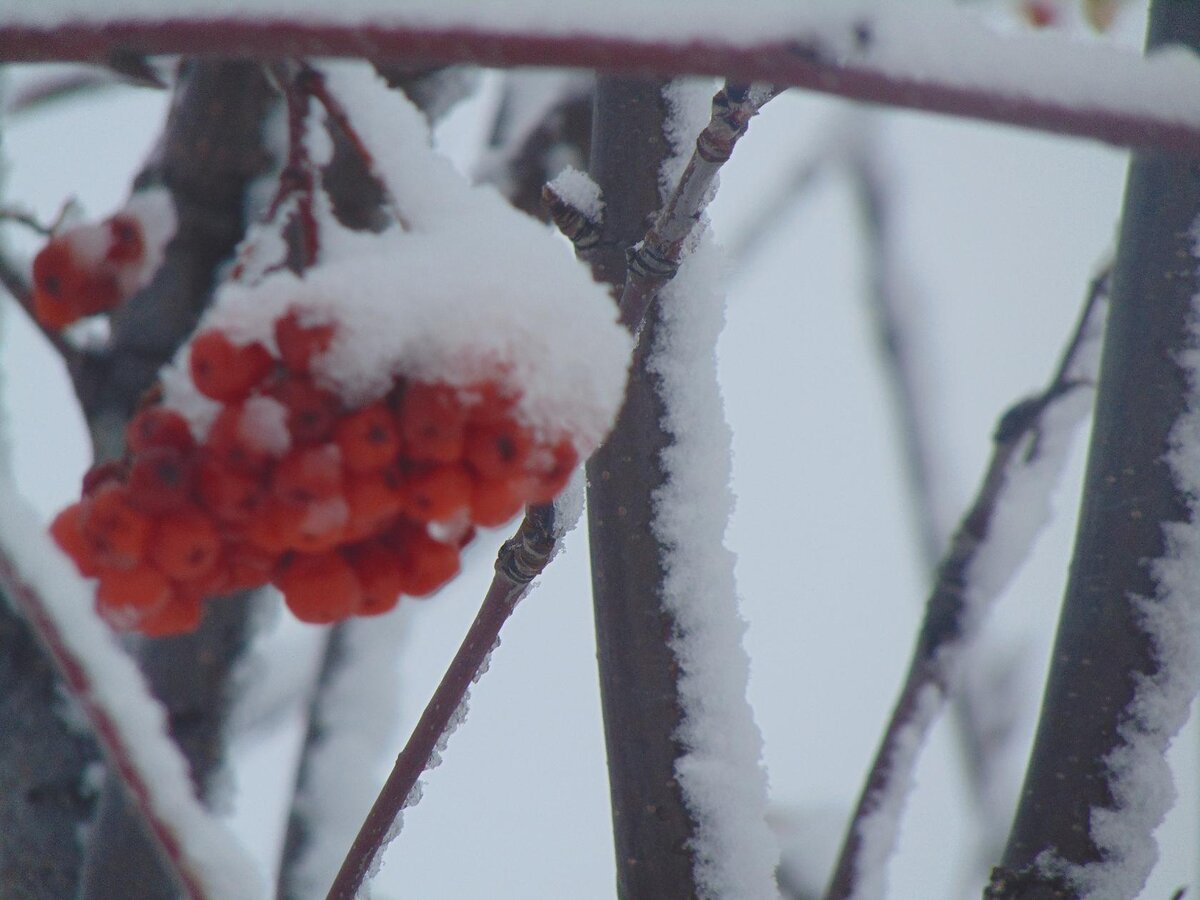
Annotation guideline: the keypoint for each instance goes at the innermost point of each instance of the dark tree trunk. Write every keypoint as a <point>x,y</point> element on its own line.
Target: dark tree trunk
<point>638,672</point>
<point>1102,648</point>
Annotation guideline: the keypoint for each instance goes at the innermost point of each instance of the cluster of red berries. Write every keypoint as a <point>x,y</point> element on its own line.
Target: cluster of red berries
<point>344,510</point>
<point>88,269</point>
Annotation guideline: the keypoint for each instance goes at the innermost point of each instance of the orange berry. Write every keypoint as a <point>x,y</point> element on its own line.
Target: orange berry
<point>235,443</point>
<point>109,472</point>
<point>67,533</point>
<point>179,615</point>
<point>425,564</point>
<point>123,598</point>
<point>319,588</point>
<point>372,498</point>
<point>160,479</point>
<point>379,575</point>
<point>432,419</point>
<point>230,495</point>
<point>311,411</point>
<point>157,426</point>
<point>496,500</point>
<point>226,371</point>
<point>434,493</point>
<point>307,475</point>
<point>299,343</point>
<point>184,545</point>
<point>125,240</point>
<point>549,481</point>
<point>113,529</point>
<point>497,450</point>
<point>368,438</point>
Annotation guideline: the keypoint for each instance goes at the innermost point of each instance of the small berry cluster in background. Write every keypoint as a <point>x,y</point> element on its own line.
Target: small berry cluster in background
<point>343,509</point>
<point>93,268</point>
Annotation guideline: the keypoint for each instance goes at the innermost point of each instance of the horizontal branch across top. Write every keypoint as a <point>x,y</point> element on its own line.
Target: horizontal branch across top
<point>934,59</point>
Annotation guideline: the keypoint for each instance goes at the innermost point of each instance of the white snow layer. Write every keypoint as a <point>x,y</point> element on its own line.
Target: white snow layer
<point>117,687</point>
<point>720,773</point>
<point>467,289</point>
<point>926,42</point>
<point>1140,779</point>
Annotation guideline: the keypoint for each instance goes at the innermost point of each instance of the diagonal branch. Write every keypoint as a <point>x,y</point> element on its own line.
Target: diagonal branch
<point>1029,444</point>
<point>878,55</point>
<point>521,559</point>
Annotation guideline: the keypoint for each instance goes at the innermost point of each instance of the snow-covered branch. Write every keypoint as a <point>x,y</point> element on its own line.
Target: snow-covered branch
<point>992,541</point>
<point>126,720</point>
<point>935,58</point>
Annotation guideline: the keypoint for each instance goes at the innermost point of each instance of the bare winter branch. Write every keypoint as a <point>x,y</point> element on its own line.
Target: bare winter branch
<point>521,559</point>
<point>655,260</point>
<point>954,611</point>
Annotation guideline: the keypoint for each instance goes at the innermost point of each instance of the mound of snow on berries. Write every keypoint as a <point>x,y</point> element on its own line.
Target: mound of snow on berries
<point>463,288</point>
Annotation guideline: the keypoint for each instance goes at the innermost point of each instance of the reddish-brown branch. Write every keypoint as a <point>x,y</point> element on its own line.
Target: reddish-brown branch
<point>104,727</point>
<point>788,63</point>
<point>521,559</point>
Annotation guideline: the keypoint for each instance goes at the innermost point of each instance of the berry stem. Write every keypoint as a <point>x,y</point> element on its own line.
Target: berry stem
<point>520,560</point>
<point>105,727</point>
<point>298,180</point>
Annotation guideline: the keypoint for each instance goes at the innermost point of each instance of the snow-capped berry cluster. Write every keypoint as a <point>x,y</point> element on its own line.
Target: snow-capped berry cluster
<point>92,268</point>
<point>343,509</point>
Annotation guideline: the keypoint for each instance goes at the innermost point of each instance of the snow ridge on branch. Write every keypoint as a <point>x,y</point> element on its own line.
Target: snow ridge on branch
<point>936,58</point>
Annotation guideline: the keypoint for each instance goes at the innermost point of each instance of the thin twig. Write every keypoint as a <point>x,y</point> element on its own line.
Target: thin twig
<point>520,560</point>
<point>656,259</point>
<point>953,611</point>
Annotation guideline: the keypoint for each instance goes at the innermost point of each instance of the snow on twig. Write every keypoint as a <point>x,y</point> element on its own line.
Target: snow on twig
<point>938,58</point>
<point>520,560</point>
<point>127,721</point>
<point>995,535</point>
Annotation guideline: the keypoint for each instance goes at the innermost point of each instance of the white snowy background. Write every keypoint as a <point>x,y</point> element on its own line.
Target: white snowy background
<point>999,230</point>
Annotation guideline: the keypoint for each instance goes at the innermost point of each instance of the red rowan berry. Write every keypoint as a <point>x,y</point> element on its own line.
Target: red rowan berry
<point>311,411</point>
<point>226,371</point>
<point>498,449</point>
<point>184,545</point>
<point>113,529</point>
<point>123,598</point>
<point>275,528</point>
<point>372,499</point>
<point>496,500</point>
<point>160,479</point>
<point>230,495</point>
<point>379,575</point>
<point>368,438</point>
<point>157,426</point>
<point>235,443</point>
<point>322,525</point>
<point>67,533</point>
<point>109,472</point>
<point>67,288</point>
<point>179,615</point>
<point>125,240</point>
<point>425,564</point>
<point>550,481</point>
<point>433,493</point>
<point>319,588</point>
<point>432,418</point>
<point>299,342</point>
<point>248,567</point>
<point>308,474</point>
